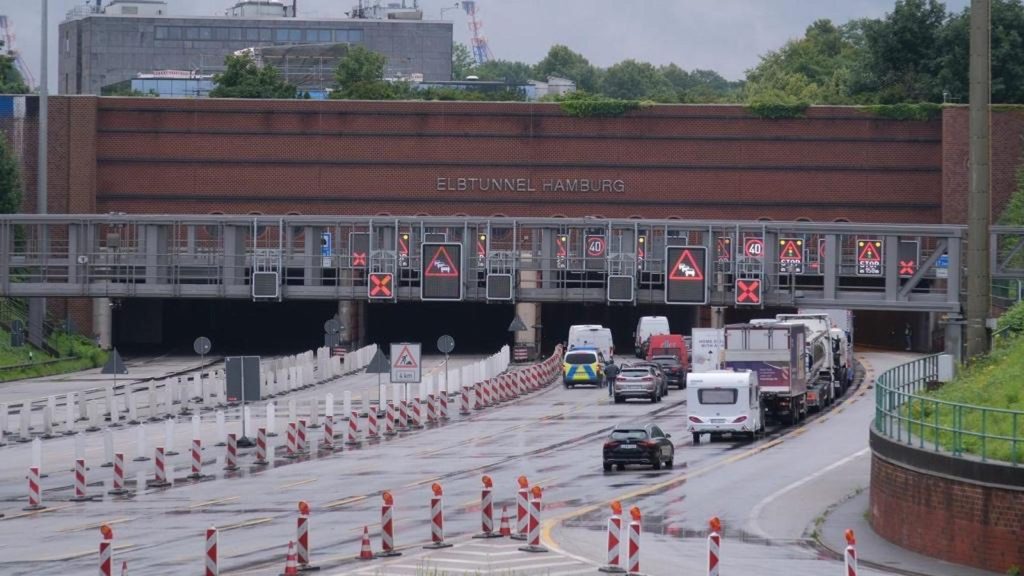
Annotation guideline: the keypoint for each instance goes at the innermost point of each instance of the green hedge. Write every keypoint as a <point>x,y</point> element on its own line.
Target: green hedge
<point>920,112</point>
<point>583,105</point>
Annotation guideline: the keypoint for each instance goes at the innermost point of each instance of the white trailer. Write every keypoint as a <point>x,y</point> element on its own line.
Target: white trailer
<point>724,402</point>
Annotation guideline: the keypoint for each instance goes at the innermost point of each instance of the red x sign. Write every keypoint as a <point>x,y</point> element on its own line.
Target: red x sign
<point>748,292</point>
<point>359,258</point>
<point>908,267</point>
<point>380,285</point>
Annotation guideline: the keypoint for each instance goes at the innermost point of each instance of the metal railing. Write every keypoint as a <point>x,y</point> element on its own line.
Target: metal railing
<point>904,415</point>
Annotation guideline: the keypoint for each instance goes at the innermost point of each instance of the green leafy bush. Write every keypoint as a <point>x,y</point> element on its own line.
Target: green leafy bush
<point>583,105</point>
<point>777,109</point>
<point>921,112</point>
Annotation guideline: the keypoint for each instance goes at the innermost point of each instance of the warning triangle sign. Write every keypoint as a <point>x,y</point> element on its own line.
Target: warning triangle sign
<point>441,265</point>
<point>686,268</point>
<point>869,252</point>
<point>791,251</point>
<point>405,359</point>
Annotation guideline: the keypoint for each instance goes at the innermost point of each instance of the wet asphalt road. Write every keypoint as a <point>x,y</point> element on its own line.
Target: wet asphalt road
<point>553,437</point>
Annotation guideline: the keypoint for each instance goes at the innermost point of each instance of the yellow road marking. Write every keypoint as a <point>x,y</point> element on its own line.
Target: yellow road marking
<point>94,525</point>
<point>35,512</point>
<point>246,524</point>
<point>83,554</point>
<point>343,501</point>
<point>299,483</point>
<point>212,502</point>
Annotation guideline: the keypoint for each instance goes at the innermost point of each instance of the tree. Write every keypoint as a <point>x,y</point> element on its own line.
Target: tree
<point>243,78</point>
<point>11,81</point>
<point>1007,47</point>
<point>462,61</point>
<point>700,86</point>
<point>632,80</point>
<point>360,76</point>
<point>10,179</point>
<point>504,70</point>
<point>904,52</point>
<point>564,63</point>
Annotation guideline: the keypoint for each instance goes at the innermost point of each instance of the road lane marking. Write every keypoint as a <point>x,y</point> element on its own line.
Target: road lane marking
<point>298,483</point>
<point>76,555</point>
<point>212,502</point>
<point>752,520</point>
<point>35,512</point>
<point>343,501</point>
<point>94,525</point>
<point>246,524</point>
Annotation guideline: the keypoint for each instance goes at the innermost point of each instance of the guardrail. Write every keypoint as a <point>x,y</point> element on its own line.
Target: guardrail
<point>905,416</point>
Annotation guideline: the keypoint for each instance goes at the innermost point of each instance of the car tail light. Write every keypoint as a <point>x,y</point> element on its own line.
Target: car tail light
<point>647,379</point>
<point>647,443</point>
<point>812,397</point>
<point>611,445</point>
<point>696,420</point>
<point>740,419</point>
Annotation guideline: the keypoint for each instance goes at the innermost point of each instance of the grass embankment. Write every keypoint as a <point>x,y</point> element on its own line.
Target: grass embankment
<point>995,382</point>
<point>76,353</point>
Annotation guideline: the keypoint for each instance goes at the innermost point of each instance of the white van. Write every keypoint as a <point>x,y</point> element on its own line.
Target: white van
<point>723,401</point>
<point>646,327</point>
<point>592,336</point>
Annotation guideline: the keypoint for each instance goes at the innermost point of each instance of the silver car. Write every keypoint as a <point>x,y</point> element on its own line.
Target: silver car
<point>638,382</point>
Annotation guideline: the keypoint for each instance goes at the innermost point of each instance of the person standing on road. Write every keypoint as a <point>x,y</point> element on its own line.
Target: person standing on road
<point>610,372</point>
<point>908,336</point>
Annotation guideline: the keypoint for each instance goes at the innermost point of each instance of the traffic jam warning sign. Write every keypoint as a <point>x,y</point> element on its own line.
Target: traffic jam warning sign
<point>381,285</point>
<point>791,256</point>
<point>405,363</point>
<point>685,280</point>
<point>753,248</point>
<point>442,271</point>
<point>748,291</point>
<point>869,257</point>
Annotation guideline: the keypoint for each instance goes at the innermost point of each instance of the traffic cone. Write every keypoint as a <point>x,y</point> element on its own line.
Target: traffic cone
<point>504,530</point>
<point>365,553</point>
<point>291,565</point>
<point>124,568</point>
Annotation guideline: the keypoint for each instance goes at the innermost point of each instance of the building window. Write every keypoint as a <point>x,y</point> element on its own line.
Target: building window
<point>311,36</point>
<point>281,35</point>
<point>130,10</point>
<point>206,33</point>
<point>323,35</point>
<point>803,219</point>
<point>840,220</point>
<point>173,33</point>
<point>222,33</point>
<point>295,35</point>
<point>236,33</point>
<point>252,33</point>
<point>265,34</point>
<point>191,33</point>
<point>355,35</point>
<point>161,32</point>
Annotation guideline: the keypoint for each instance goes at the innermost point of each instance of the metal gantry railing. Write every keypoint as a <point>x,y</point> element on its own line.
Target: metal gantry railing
<point>904,414</point>
<point>863,266</point>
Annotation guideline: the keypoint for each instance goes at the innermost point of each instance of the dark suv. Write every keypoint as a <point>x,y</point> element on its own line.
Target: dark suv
<point>646,445</point>
<point>674,371</point>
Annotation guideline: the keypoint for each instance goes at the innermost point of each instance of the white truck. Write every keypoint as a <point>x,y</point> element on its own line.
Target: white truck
<point>592,336</point>
<point>837,324</point>
<point>707,345</point>
<point>825,386</point>
<point>724,402</point>
<point>776,353</point>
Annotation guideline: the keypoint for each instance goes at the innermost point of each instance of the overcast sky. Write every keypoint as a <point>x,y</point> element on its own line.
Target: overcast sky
<point>723,35</point>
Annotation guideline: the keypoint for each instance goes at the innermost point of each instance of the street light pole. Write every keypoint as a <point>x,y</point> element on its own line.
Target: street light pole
<point>979,283</point>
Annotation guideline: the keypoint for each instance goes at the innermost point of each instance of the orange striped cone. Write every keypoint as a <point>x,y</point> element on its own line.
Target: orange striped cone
<point>124,568</point>
<point>365,553</point>
<point>291,565</point>
<point>504,529</point>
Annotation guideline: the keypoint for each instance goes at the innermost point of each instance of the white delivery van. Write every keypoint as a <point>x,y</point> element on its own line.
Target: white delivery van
<point>592,336</point>
<point>723,402</point>
<point>646,327</point>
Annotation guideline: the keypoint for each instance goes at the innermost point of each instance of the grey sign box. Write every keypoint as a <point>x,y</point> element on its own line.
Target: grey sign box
<point>620,288</point>
<point>441,271</point>
<point>239,369</point>
<point>202,345</point>
<point>499,286</point>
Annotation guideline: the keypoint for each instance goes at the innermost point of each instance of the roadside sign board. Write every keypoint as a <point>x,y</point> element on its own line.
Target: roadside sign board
<point>685,277</point>
<point>909,256</point>
<point>942,266</point>
<point>753,247</point>
<point>381,286</point>
<point>748,292</point>
<point>442,271</point>
<point>243,378</point>
<point>869,257</point>
<point>791,256</point>
<point>406,365</point>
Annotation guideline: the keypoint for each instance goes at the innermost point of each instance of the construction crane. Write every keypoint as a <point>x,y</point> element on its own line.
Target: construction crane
<point>481,51</point>
<point>7,35</point>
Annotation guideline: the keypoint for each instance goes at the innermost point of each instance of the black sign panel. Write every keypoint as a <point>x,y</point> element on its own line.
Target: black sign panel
<point>596,249</point>
<point>359,249</point>
<point>435,237</point>
<point>909,255</point>
<point>243,378</point>
<point>748,292</point>
<point>620,288</point>
<point>499,286</point>
<point>869,257</point>
<point>441,271</point>
<point>791,256</point>
<point>686,275</point>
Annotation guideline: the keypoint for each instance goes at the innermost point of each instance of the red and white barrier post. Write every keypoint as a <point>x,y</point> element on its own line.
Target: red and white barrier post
<point>291,450</point>
<point>464,401</point>
<point>118,487</point>
<point>487,510</point>
<point>522,509</point>
<point>437,518</point>
<point>328,441</point>
<point>403,415</point>
<point>443,397</point>
<point>212,566</point>
<point>389,419</point>
<point>80,495</point>
<point>231,456</point>
<point>533,540</point>
<point>302,537</point>
<point>614,565</point>
<point>387,527</point>
<point>160,469</point>
<point>261,447</point>
<point>302,447</point>
<point>197,460</point>
<point>106,550</point>
<point>633,561</point>
<point>371,425</point>
<point>714,545</point>
<point>353,429</point>
<point>850,555</point>
<point>431,408</point>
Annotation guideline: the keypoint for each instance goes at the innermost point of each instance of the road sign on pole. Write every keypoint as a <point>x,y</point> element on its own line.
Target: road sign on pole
<point>791,256</point>
<point>445,344</point>
<point>753,247</point>
<point>326,248</point>
<point>748,292</point>
<point>685,278</point>
<point>406,365</point>
<point>442,271</point>
<point>381,286</point>
<point>869,257</point>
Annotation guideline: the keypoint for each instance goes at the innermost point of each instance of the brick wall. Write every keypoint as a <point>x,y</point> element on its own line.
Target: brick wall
<point>953,520</point>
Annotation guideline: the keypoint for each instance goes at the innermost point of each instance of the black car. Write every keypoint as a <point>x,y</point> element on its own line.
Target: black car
<point>674,371</point>
<point>646,445</point>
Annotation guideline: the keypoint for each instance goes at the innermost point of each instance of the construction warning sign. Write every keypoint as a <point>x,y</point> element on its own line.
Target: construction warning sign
<point>869,257</point>
<point>791,256</point>
<point>442,271</point>
<point>381,285</point>
<point>748,292</point>
<point>685,278</point>
<point>405,363</point>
